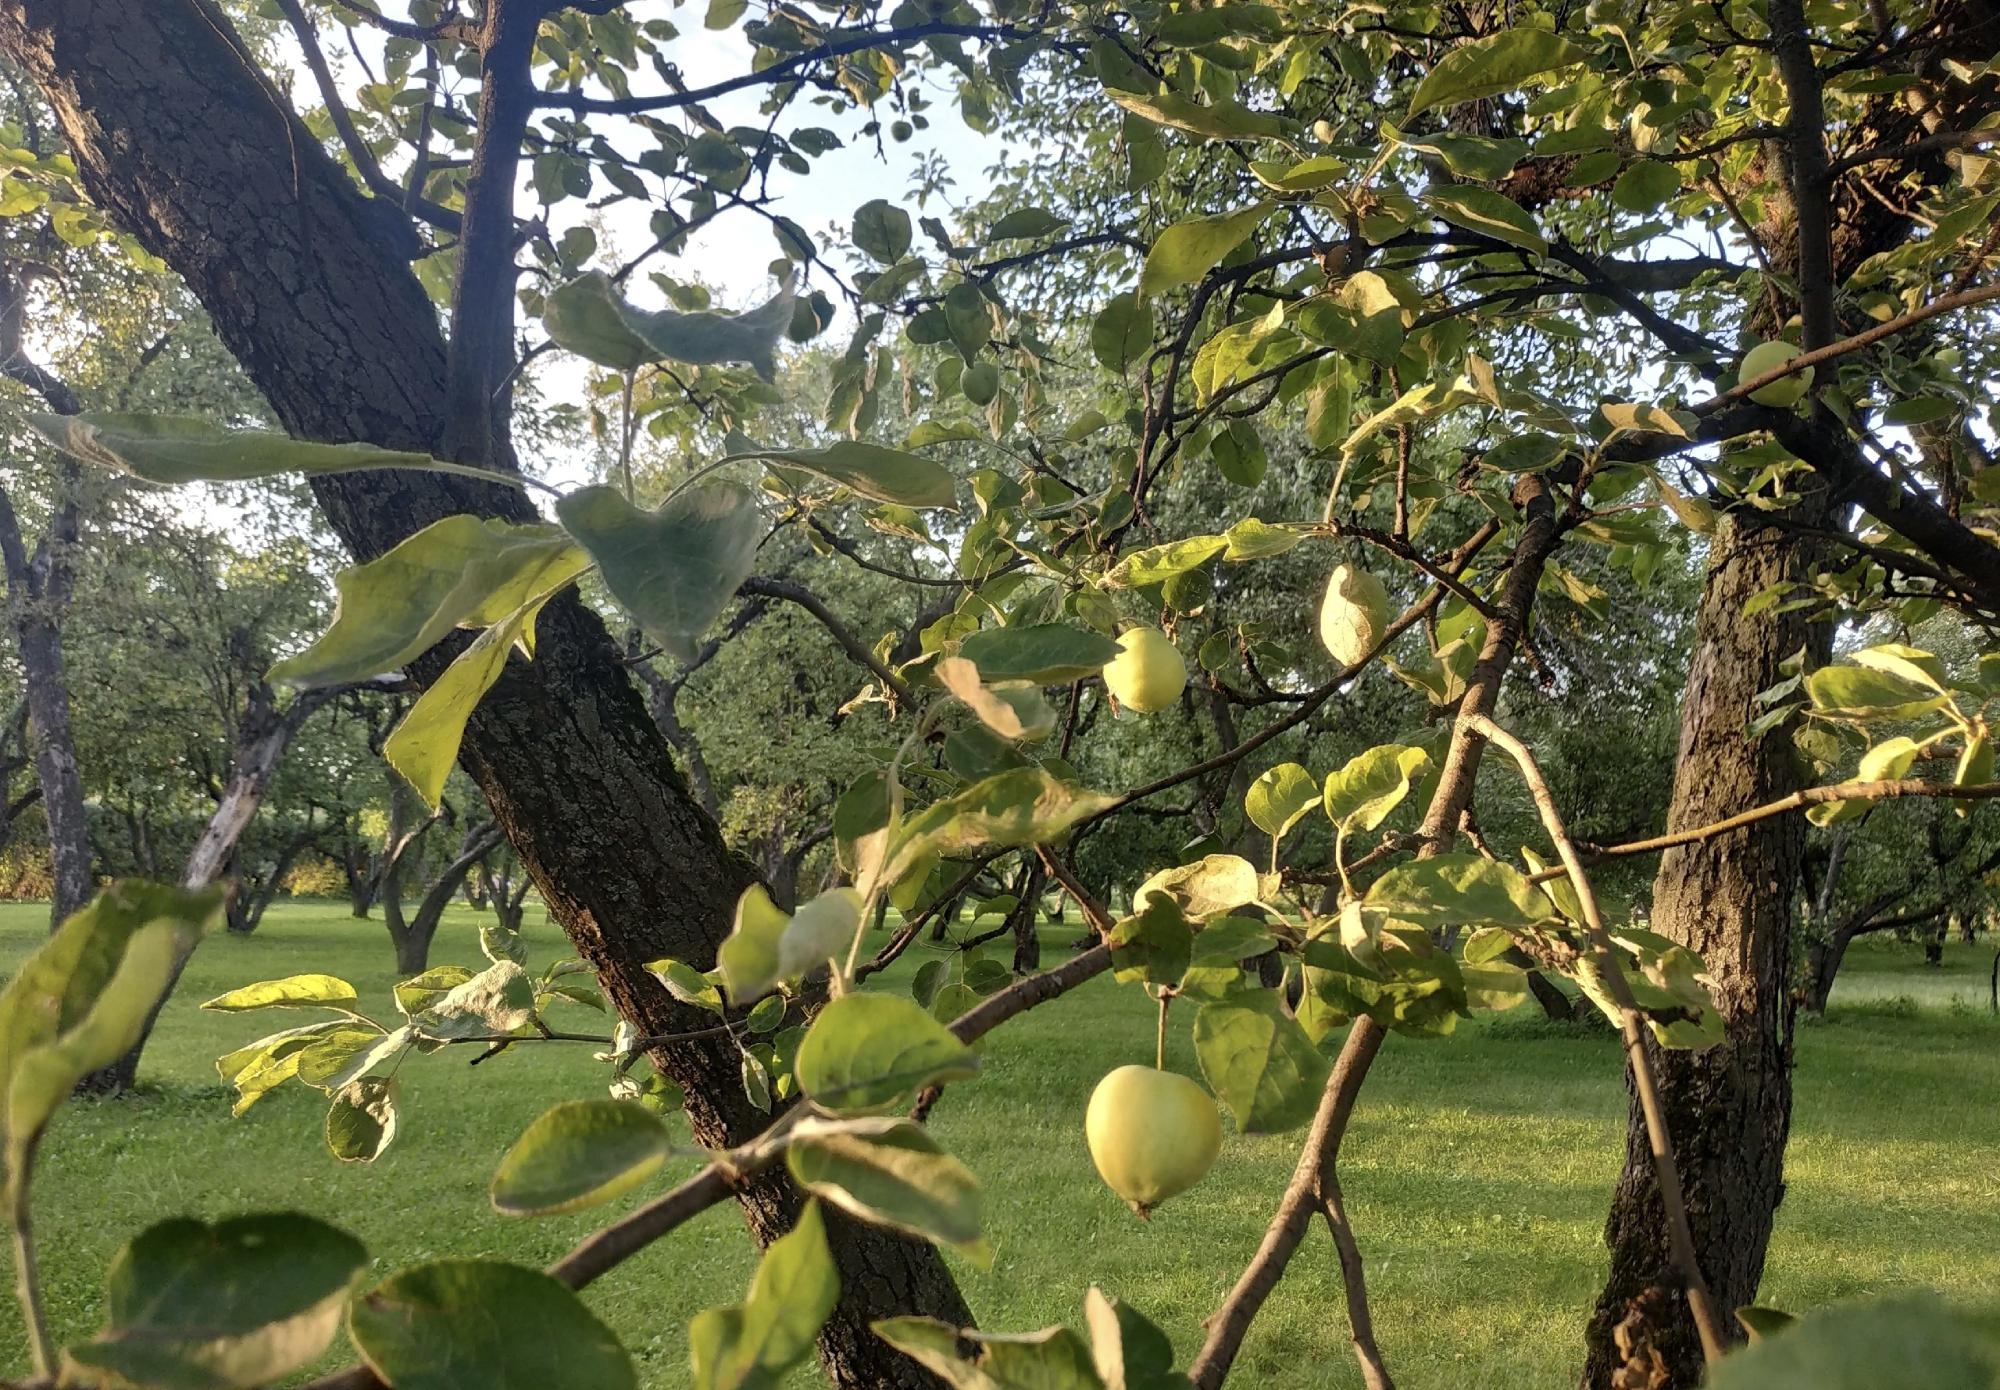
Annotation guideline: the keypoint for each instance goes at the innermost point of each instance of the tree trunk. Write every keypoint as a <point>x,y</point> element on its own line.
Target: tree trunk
<point>307,283</point>
<point>1823,960</point>
<point>1731,900</point>
<point>413,937</point>
<point>363,873</point>
<point>264,736</point>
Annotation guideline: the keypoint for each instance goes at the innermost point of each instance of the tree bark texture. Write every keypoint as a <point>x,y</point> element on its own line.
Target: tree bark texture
<point>1731,900</point>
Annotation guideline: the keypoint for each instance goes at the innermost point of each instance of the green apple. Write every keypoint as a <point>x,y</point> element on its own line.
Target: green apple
<point>1768,357</point>
<point>1148,673</point>
<point>1153,1134</point>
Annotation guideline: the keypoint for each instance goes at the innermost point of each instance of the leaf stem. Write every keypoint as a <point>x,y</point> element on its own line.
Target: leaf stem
<point>28,1281</point>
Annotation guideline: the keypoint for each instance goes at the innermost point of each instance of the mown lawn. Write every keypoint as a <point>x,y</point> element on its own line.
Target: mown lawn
<point>1477,1169</point>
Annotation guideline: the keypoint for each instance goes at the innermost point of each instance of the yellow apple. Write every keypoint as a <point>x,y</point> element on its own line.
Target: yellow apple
<point>1148,674</point>
<point>1153,1134</point>
<point>1768,357</point>
<point>1354,614</point>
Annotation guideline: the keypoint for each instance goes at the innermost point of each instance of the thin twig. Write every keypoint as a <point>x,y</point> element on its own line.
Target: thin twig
<point>1666,1173</point>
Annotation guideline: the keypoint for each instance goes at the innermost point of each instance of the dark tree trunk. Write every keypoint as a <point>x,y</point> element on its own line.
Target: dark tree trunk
<point>1027,939</point>
<point>1731,900</point>
<point>1555,1005</point>
<point>39,586</point>
<point>307,282</point>
<point>47,679</point>
<point>363,873</point>
<point>413,936</point>
<point>263,736</point>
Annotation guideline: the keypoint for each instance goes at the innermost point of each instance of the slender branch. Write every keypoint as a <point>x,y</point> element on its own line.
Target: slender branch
<point>1888,328</point>
<point>1666,1173</point>
<point>1887,790</point>
<point>778,71</point>
<point>357,149</point>
<point>849,643</point>
<point>1943,141</point>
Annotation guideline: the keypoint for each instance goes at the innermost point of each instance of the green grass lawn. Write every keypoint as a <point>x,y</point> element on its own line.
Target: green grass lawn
<point>1477,1168</point>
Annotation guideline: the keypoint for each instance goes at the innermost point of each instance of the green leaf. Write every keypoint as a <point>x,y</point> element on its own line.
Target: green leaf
<point>1158,564</point>
<point>1259,1062</point>
<point>1221,119</point>
<point>1862,694</point>
<point>1477,157</point>
<point>1130,1352</point>
<point>292,992</point>
<point>767,945</point>
<point>687,984</point>
<point>1154,945</point>
<point>1251,539</point>
<point>167,450</point>
<point>1014,710</point>
<point>579,1154</point>
<point>1188,250</point>
<point>1488,213</point>
<point>1122,331</point>
<point>1045,653</point>
<point>419,992</point>
<point>1360,796</point>
<point>83,998</point>
<point>1026,223</point>
<point>1913,665</point>
<point>1014,809</point>
<point>673,569</point>
<point>483,1325</point>
<point>242,1303</point>
<point>1213,884</point>
<point>865,1051</point>
<point>1910,1339</point>
<point>882,230</point>
<point>1279,798</point>
<point>1645,186</point>
<point>1888,759</point>
<point>752,1345</point>
<point>258,1068</point>
<point>1459,889</point>
<point>1053,1359</point>
<point>872,471</point>
<point>1227,940</point>
<point>424,745</point>
<point>361,1122</point>
<point>499,999</point>
<point>968,320</point>
<point>890,1171</point>
<point>463,571</point>
<point>590,318</point>
<point>1503,62</point>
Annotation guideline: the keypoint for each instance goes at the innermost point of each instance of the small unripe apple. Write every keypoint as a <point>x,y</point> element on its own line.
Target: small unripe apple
<point>1153,1134</point>
<point>1148,673</point>
<point>1768,357</point>
<point>1354,614</point>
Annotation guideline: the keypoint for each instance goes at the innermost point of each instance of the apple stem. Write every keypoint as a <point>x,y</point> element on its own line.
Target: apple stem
<point>1160,1041</point>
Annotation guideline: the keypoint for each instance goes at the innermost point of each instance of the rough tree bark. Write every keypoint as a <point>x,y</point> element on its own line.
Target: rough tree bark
<point>188,146</point>
<point>39,585</point>
<point>1732,898</point>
